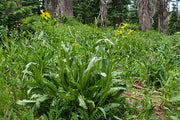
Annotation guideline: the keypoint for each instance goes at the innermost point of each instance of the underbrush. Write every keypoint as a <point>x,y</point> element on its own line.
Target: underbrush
<point>52,70</point>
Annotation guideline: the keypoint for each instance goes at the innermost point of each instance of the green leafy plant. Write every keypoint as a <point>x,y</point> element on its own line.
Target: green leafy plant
<point>80,82</point>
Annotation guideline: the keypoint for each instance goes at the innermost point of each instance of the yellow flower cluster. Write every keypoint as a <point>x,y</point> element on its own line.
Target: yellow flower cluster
<point>124,26</point>
<point>130,32</point>
<point>45,15</point>
<point>57,25</point>
<point>75,44</point>
<point>120,32</point>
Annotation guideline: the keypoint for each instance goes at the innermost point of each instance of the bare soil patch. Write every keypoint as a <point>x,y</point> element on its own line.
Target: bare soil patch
<point>136,97</point>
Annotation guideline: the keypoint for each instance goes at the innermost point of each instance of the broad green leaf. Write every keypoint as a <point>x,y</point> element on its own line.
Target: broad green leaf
<point>108,41</point>
<point>91,103</point>
<point>41,99</point>
<point>117,118</point>
<point>64,47</point>
<point>50,85</point>
<point>102,110</point>
<point>175,99</point>
<point>174,118</point>
<point>103,74</point>
<point>26,69</point>
<point>86,73</point>
<point>114,90</point>
<point>105,40</point>
<point>35,96</point>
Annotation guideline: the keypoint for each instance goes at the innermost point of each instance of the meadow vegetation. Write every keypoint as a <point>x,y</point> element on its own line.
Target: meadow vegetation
<point>69,71</point>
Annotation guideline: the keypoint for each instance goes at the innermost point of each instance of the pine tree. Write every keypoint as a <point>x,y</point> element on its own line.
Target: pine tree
<point>86,10</point>
<point>172,25</point>
<point>118,11</point>
<point>13,11</point>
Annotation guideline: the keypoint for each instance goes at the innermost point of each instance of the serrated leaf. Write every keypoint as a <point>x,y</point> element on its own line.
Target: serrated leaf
<point>82,102</point>
<point>41,98</point>
<point>24,102</point>
<point>34,96</point>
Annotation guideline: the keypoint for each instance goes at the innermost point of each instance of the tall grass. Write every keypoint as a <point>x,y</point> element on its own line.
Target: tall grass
<point>79,72</point>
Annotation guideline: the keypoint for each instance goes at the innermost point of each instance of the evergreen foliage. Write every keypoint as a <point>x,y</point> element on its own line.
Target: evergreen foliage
<point>118,11</point>
<point>35,3</point>
<point>173,22</point>
<point>133,16</point>
<point>85,11</point>
<point>13,11</point>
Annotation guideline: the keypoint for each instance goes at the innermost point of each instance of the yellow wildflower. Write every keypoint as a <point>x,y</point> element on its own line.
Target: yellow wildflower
<point>75,44</point>
<point>124,26</point>
<point>79,56</point>
<point>143,35</point>
<point>57,25</point>
<point>120,32</point>
<point>130,32</point>
<point>123,36</point>
<point>45,15</point>
<point>116,34</point>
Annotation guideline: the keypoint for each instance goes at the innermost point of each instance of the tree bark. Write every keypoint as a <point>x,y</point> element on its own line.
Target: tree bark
<point>162,16</point>
<point>103,11</point>
<point>53,7</point>
<point>165,23</point>
<point>146,10</point>
<point>159,6</point>
<point>67,7</point>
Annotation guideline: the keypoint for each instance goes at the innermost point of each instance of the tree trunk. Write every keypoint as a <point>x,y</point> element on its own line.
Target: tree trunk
<point>159,15</point>
<point>103,11</point>
<point>119,19</point>
<point>165,24</point>
<point>67,7</point>
<point>162,16</point>
<point>146,10</point>
<point>159,23</point>
<point>53,7</point>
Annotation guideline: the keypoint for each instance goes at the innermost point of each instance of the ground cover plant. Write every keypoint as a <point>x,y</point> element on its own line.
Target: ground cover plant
<point>54,70</point>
